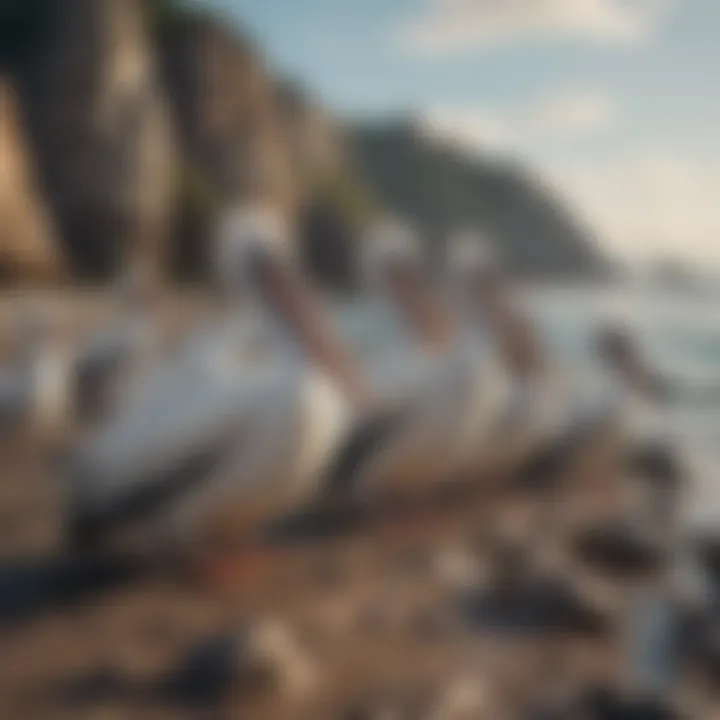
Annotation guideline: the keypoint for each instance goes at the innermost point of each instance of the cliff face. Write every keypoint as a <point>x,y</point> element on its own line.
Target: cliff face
<point>224,103</point>
<point>229,120</point>
<point>103,133</point>
<point>27,242</point>
<point>146,117</point>
<point>315,140</point>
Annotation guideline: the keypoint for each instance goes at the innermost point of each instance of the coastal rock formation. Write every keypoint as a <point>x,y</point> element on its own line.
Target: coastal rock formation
<point>28,250</point>
<point>145,117</point>
<point>229,121</point>
<point>315,139</point>
<point>103,133</point>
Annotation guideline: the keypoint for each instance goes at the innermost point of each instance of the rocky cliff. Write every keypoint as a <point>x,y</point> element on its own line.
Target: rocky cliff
<point>103,133</point>
<point>27,240</point>
<point>146,116</point>
<point>229,121</point>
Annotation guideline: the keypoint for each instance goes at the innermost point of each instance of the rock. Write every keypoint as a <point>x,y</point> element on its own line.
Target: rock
<point>701,643</point>
<point>315,139</point>
<point>373,712</point>
<point>457,569</point>
<point>533,606</point>
<point>103,134</point>
<point>464,699</point>
<point>28,249</point>
<point>273,646</point>
<point>604,704</point>
<point>229,119</point>
<point>620,549</point>
<point>263,659</point>
<point>227,112</point>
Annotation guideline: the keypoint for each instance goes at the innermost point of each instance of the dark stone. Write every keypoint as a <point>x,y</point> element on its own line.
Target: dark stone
<point>532,606</point>
<point>620,549</point>
<point>605,704</point>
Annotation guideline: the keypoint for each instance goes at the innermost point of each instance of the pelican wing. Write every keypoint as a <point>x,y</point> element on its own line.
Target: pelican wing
<point>102,357</point>
<point>369,437</point>
<point>165,443</point>
<point>101,360</point>
<point>152,494</point>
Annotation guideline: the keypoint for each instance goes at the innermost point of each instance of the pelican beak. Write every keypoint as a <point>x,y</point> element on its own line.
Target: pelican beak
<point>292,300</point>
<point>423,311</point>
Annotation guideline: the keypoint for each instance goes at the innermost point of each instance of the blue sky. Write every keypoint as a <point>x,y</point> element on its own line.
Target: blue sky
<point>617,102</point>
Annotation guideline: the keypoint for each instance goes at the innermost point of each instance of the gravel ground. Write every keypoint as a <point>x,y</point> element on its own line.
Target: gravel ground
<point>372,619</point>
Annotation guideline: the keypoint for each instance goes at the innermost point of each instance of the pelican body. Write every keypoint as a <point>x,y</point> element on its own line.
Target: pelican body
<point>427,383</point>
<point>217,443</point>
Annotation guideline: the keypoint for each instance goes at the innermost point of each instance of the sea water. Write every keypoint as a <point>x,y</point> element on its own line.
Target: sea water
<point>679,333</point>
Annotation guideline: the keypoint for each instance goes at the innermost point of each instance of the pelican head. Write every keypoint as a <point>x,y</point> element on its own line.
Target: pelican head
<point>472,260</point>
<point>245,235</point>
<point>255,254</point>
<point>393,260</point>
<point>475,278</point>
<point>392,249</point>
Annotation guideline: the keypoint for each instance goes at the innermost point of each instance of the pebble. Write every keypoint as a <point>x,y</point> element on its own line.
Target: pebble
<point>265,658</point>
<point>464,699</point>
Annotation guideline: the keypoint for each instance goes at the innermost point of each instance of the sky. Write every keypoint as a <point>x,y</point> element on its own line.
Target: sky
<point>615,102</point>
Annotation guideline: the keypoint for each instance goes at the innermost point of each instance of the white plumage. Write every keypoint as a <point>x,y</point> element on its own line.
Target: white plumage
<point>229,435</point>
<point>429,392</point>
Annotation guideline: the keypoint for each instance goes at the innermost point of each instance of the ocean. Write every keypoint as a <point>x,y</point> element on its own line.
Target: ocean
<point>679,333</point>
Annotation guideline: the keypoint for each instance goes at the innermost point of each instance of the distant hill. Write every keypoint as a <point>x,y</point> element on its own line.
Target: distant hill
<point>442,188</point>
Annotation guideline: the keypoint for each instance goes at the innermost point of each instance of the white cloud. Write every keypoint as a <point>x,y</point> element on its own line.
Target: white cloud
<point>640,203</point>
<point>571,115</point>
<point>567,115</point>
<point>648,204</point>
<point>456,25</point>
<point>472,129</point>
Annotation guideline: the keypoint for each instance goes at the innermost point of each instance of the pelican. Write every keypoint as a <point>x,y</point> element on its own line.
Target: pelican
<point>530,416</point>
<point>221,441</point>
<point>414,442</point>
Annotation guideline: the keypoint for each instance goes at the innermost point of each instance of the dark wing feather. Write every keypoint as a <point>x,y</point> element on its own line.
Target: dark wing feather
<point>146,496</point>
<point>365,440</point>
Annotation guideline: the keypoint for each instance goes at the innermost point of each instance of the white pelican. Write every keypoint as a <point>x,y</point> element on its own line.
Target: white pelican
<point>415,442</point>
<point>221,442</point>
<point>528,403</point>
